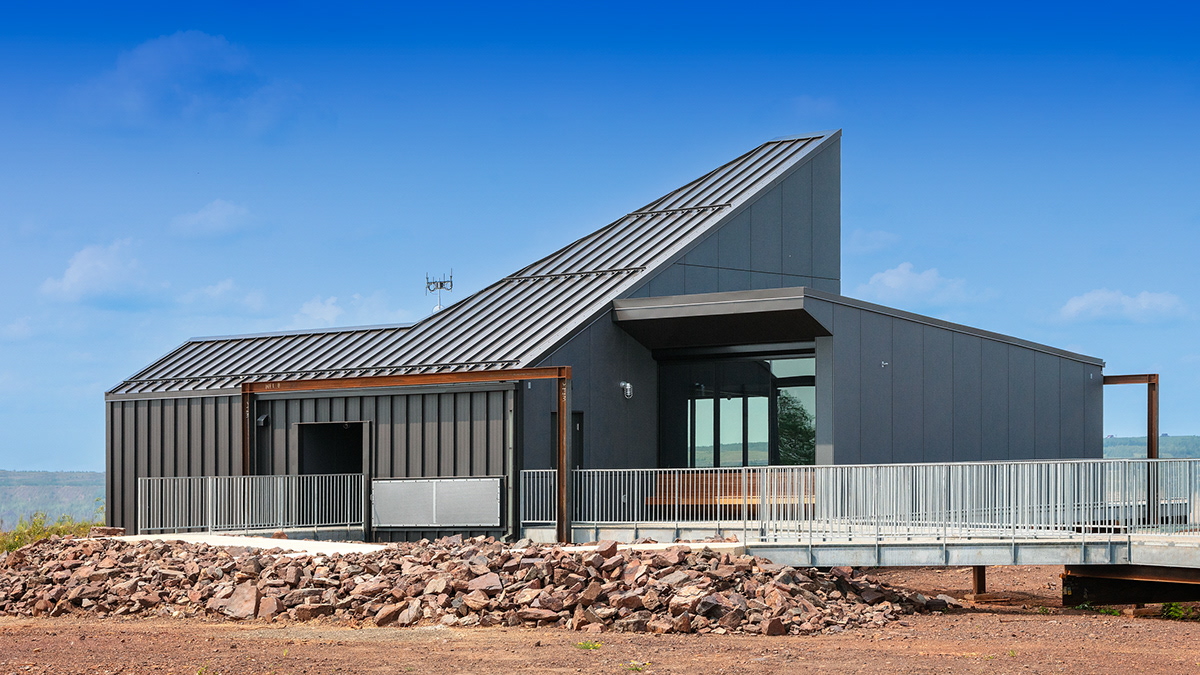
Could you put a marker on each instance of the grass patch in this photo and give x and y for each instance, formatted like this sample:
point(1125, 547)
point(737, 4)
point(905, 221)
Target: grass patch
point(588, 644)
point(38, 526)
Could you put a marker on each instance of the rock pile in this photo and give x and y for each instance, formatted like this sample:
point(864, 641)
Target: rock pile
point(450, 581)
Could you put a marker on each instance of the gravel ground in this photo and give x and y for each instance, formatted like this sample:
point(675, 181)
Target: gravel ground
point(1014, 638)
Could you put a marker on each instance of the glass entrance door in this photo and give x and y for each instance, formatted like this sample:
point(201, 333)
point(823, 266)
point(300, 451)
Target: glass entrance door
point(738, 411)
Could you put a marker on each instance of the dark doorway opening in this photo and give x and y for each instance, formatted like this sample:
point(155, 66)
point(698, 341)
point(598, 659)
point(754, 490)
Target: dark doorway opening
point(331, 447)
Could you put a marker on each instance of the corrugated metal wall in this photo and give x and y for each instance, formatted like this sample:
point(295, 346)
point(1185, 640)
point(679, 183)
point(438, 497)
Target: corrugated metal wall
point(431, 432)
point(949, 396)
point(197, 436)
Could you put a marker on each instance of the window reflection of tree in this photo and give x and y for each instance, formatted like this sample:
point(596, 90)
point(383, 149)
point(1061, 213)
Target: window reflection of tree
point(797, 433)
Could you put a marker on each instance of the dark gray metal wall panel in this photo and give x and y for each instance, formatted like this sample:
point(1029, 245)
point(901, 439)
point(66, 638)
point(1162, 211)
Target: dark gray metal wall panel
point(208, 434)
point(1071, 393)
point(797, 244)
point(155, 467)
point(195, 438)
point(1047, 383)
point(670, 281)
point(968, 398)
point(479, 435)
point(938, 376)
point(733, 280)
point(416, 436)
point(794, 281)
point(705, 253)
point(827, 212)
point(446, 435)
point(828, 285)
point(765, 280)
point(876, 397)
point(378, 410)
point(618, 432)
point(847, 395)
point(766, 232)
point(462, 435)
point(701, 279)
point(733, 243)
point(907, 366)
point(1022, 404)
point(429, 459)
point(1093, 442)
point(110, 464)
point(170, 450)
point(295, 411)
point(222, 429)
point(995, 400)
point(498, 431)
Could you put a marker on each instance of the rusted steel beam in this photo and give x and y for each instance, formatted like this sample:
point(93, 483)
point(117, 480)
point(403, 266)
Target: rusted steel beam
point(1151, 382)
point(1128, 584)
point(509, 375)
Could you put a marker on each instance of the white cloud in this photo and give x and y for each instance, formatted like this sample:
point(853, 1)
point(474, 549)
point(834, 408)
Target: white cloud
point(864, 241)
point(189, 77)
point(1105, 304)
point(17, 330)
point(224, 293)
point(96, 271)
point(902, 284)
point(218, 217)
point(318, 313)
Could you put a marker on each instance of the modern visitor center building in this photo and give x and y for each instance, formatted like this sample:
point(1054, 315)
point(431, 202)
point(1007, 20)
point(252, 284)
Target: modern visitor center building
point(660, 374)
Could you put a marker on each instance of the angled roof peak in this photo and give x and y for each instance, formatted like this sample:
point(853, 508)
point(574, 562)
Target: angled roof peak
point(516, 321)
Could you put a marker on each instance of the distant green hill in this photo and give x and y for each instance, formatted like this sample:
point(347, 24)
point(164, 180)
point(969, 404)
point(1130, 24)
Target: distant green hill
point(1169, 447)
point(55, 493)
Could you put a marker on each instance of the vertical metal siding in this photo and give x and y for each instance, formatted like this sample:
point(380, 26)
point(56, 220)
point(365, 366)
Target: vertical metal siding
point(907, 391)
point(827, 214)
point(968, 397)
point(847, 393)
point(876, 396)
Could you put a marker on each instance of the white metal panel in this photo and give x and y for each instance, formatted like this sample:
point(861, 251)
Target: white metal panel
point(436, 502)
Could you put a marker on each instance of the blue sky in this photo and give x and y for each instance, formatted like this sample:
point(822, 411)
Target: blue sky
point(210, 170)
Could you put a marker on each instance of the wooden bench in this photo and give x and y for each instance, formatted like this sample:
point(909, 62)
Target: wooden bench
point(722, 492)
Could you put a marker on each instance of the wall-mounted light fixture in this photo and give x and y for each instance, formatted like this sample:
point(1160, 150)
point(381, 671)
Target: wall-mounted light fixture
point(627, 389)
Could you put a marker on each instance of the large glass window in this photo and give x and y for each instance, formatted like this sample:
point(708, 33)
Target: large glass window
point(738, 411)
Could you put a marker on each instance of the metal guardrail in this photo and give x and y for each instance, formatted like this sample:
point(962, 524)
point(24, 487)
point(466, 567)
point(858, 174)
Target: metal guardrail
point(245, 503)
point(1088, 499)
point(539, 496)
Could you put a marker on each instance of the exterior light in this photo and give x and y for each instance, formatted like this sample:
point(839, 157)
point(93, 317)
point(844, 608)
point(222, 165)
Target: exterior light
point(627, 389)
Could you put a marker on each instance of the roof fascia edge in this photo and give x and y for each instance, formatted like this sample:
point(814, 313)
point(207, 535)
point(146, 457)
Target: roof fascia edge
point(675, 257)
point(835, 299)
point(112, 390)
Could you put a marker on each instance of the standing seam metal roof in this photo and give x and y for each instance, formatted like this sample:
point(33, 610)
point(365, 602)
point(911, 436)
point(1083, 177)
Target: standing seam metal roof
point(509, 324)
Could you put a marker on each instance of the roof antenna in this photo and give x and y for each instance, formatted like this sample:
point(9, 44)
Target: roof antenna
point(446, 283)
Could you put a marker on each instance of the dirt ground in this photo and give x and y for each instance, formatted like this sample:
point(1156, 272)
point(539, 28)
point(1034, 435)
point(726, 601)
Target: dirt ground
point(1013, 638)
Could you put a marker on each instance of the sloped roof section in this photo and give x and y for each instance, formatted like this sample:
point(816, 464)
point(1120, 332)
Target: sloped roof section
point(511, 323)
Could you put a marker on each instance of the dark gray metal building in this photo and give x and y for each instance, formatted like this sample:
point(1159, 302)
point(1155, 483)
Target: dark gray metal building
point(703, 329)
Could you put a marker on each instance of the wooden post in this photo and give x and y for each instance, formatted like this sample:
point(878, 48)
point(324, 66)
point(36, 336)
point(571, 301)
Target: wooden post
point(979, 579)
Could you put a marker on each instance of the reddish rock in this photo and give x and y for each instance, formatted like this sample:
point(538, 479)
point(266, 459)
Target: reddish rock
point(683, 623)
point(773, 626)
point(269, 607)
point(489, 583)
point(97, 531)
point(309, 612)
point(606, 548)
point(243, 604)
point(477, 600)
point(660, 625)
point(388, 614)
point(536, 614)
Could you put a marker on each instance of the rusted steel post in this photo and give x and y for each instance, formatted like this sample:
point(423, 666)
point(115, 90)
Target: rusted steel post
point(978, 579)
point(1152, 416)
point(564, 456)
point(247, 428)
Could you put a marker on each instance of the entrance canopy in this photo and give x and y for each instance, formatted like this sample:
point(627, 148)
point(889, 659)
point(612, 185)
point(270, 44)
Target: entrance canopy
point(765, 316)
